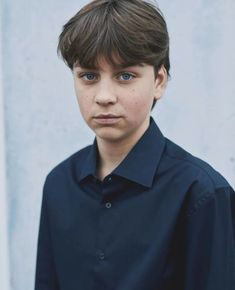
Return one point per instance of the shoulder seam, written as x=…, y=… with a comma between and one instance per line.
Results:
x=196, y=165
x=201, y=201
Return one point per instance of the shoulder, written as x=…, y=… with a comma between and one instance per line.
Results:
x=192, y=165
x=68, y=168
x=202, y=183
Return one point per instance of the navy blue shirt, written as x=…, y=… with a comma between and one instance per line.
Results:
x=162, y=220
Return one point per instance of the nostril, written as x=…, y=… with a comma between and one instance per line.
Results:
x=105, y=99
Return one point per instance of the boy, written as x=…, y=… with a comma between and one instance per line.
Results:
x=133, y=211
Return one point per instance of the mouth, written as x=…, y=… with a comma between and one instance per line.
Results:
x=107, y=119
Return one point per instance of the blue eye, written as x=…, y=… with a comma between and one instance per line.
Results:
x=88, y=76
x=126, y=76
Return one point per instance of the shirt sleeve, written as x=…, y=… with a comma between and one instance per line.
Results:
x=45, y=277
x=209, y=259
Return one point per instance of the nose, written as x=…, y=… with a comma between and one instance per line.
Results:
x=105, y=94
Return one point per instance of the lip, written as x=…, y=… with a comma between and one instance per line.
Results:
x=106, y=115
x=107, y=119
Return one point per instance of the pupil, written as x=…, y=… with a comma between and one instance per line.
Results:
x=126, y=76
x=90, y=76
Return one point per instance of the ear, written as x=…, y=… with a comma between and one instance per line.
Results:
x=160, y=83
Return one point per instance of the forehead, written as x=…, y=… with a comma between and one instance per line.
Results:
x=102, y=62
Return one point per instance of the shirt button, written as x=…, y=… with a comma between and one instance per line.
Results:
x=100, y=255
x=108, y=204
x=109, y=179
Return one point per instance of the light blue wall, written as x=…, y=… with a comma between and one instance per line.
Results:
x=4, y=243
x=42, y=122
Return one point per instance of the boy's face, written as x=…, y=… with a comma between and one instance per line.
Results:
x=116, y=103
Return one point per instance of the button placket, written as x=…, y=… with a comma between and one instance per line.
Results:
x=105, y=224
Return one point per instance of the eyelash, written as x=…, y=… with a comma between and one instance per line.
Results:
x=82, y=75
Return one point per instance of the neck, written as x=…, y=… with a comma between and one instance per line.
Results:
x=111, y=154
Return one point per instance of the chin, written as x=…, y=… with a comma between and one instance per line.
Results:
x=109, y=135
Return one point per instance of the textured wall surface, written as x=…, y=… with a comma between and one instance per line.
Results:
x=4, y=244
x=42, y=122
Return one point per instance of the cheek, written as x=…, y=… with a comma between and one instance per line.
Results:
x=139, y=100
x=81, y=93
x=84, y=104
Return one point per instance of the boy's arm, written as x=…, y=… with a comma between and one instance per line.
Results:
x=210, y=243
x=45, y=278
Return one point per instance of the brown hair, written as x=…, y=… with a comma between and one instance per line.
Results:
x=127, y=32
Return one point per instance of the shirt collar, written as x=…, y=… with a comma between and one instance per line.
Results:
x=89, y=165
x=140, y=164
